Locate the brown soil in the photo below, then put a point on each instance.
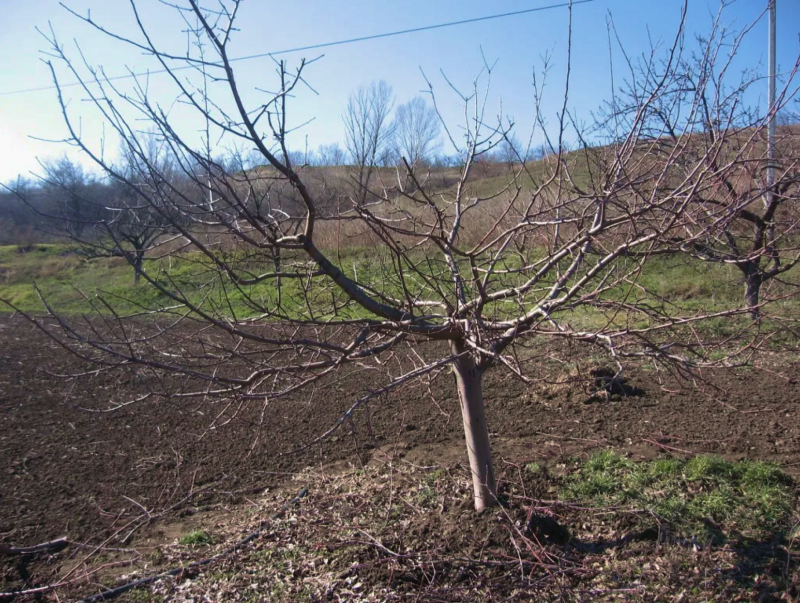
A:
(70, 472)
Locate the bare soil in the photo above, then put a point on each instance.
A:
(67, 471)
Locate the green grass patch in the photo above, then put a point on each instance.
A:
(74, 285)
(705, 497)
(533, 468)
(196, 538)
(141, 595)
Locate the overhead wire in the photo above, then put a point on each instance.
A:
(319, 46)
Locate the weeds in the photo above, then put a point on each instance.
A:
(196, 538)
(141, 596)
(395, 532)
(705, 497)
(533, 468)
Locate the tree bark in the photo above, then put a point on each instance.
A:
(752, 291)
(469, 382)
(138, 260)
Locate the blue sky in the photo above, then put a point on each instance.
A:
(516, 43)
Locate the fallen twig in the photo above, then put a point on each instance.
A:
(669, 449)
(56, 545)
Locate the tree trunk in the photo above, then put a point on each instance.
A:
(469, 381)
(752, 291)
(138, 260)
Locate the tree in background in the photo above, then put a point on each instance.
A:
(19, 224)
(74, 198)
(108, 219)
(511, 151)
(330, 155)
(368, 129)
(416, 131)
(449, 288)
(133, 226)
(60, 203)
(692, 117)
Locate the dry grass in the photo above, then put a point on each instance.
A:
(391, 531)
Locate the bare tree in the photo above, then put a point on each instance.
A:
(511, 151)
(368, 131)
(699, 120)
(131, 227)
(20, 219)
(450, 287)
(110, 219)
(62, 202)
(330, 155)
(74, 197)
(416, 130)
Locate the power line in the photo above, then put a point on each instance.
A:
(318, 46)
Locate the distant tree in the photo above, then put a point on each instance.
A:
(20, 213)
(330, 155)
(787, 117)
(72, 199)
(368, 130)
(416, 131)
(510, 151)
(301, 158)
(62, 201)
(112, 218)
(537, 153)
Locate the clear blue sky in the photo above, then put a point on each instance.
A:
(517, 43)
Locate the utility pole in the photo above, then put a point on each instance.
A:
(771, 127)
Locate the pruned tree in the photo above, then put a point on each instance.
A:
(416, 131)
(109, 218)
(695, 116)
(512, 151)
(129, 227)
(448, 288)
